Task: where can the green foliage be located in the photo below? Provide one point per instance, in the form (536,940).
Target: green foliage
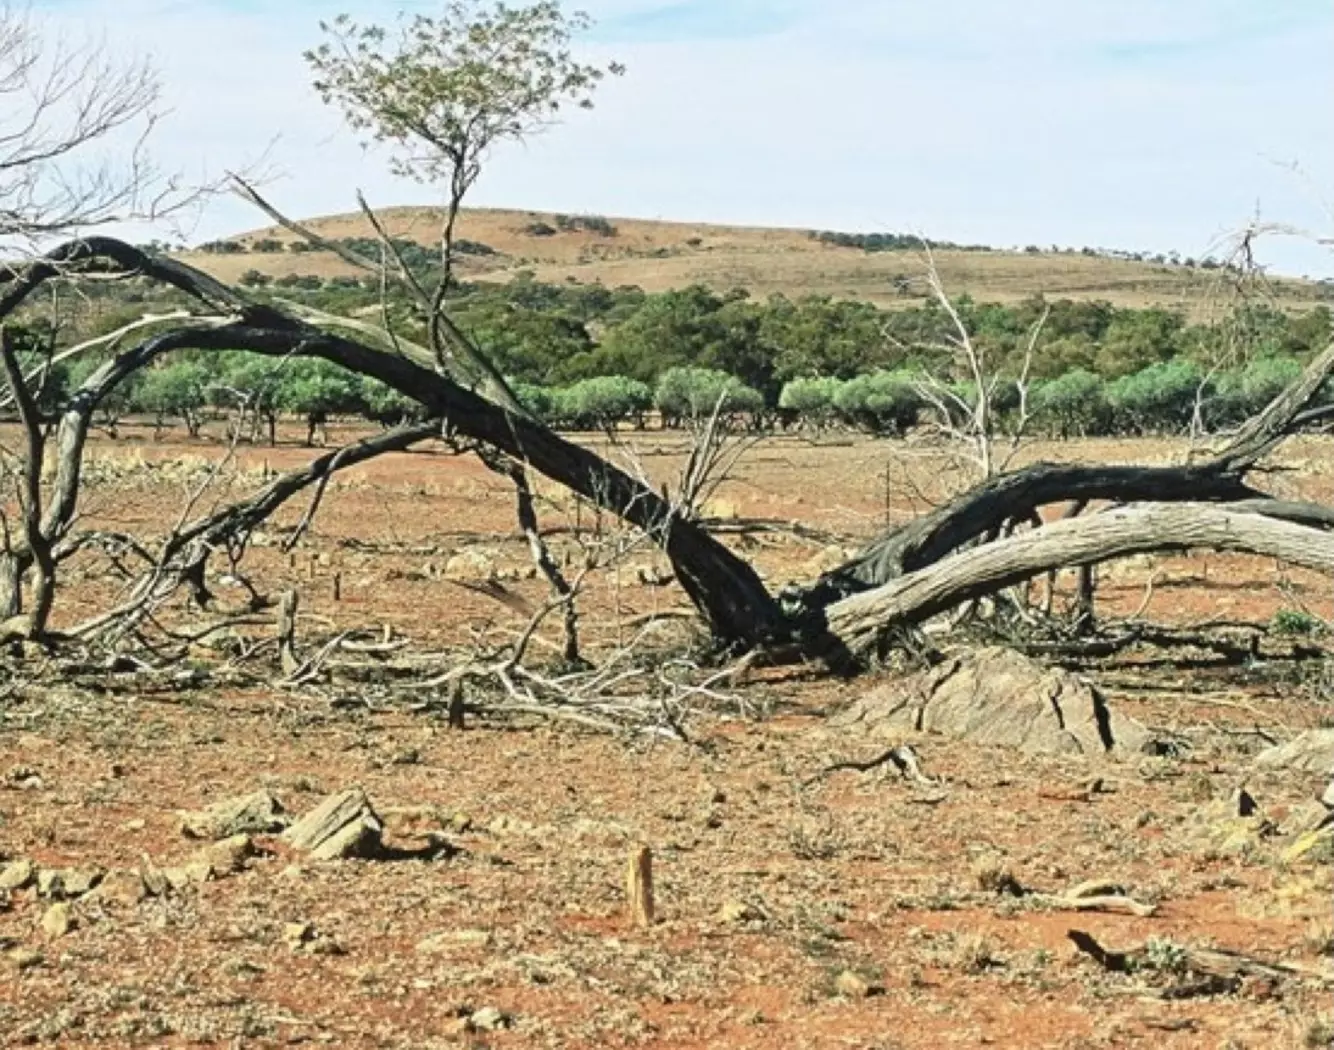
(600,402)
(882,402)
(174,389)
(384,404)
(811,399)
(456,84)
(317,389)
(1159,399)
(696,393)
(1074,404)
(1294,622)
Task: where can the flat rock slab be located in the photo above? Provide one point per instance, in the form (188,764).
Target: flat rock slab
(258,813)
(343,825)
(998,696)
(1309,752)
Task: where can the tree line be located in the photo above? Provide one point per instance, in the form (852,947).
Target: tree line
(587,357)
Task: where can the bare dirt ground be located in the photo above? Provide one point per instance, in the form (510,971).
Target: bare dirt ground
(501,920)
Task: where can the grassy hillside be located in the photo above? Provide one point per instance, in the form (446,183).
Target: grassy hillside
(662,255)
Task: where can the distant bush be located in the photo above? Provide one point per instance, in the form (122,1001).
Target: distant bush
(177,389)
(696,393)
(600,403)
(1159,399)
(540,229)
(1074,404)
(881,402)
(811,400)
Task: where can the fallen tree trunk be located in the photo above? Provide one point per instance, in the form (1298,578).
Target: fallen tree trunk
(862,622)
(1017,495)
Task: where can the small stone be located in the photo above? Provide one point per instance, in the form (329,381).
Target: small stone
(223,858)
(461,822)
(16,875)
(51,883)
(738,911)
(26,958)
(58,920)
(489,1019)
(852,985)
(120,887)
(297,934)
(79,881)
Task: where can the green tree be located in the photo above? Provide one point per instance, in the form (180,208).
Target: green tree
(1074,404)
(317,390)
(442,91)
(177,389)
(882,402)
(685,393)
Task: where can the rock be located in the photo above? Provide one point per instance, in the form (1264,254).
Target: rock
(297,934)
(852,985)
(80,881)
(343,825)
(16,875)
(26,958)
(720,510)
(58,920)
(470,565)
(489,1019)
(303,937)
(125,888)
(258,813)
(223,858)
(739,911)
(1309,752)
(998,696)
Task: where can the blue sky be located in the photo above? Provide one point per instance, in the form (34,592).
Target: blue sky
(1154,124)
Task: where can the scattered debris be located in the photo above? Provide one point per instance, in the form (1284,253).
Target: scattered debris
(1309,752)
(902,756)
(1194,971)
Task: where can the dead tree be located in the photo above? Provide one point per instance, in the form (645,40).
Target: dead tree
(907,576)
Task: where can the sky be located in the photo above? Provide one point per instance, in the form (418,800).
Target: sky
(1153,125)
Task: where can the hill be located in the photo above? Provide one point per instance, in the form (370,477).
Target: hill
(661,255)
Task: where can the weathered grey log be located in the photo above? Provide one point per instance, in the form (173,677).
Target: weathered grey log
(861,622)
(343,825)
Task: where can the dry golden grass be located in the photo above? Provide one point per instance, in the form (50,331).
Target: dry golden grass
(661,255)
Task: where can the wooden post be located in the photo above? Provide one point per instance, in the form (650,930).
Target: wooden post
(287,607)
(639,886)
(456,699)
